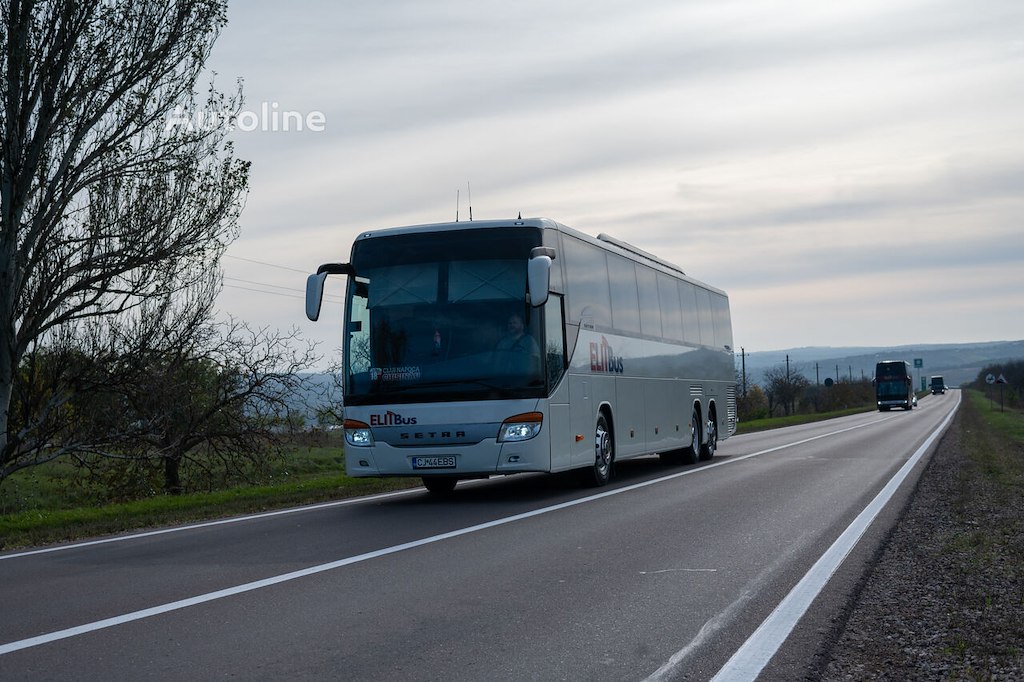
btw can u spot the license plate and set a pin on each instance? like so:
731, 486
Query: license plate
445, 462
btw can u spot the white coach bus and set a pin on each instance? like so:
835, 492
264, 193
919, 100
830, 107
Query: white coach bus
498, 347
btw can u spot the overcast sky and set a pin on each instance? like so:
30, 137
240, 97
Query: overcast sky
850, 173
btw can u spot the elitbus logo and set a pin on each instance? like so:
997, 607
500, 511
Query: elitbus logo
390, 418
603, 359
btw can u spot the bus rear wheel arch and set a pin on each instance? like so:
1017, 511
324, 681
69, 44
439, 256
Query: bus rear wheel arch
690, 453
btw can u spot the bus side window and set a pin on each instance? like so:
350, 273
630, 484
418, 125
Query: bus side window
554, 323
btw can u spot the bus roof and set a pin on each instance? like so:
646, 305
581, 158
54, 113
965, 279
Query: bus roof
604, 241
462, 225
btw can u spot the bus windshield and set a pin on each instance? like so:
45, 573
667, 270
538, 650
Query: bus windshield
891, 389
443, 316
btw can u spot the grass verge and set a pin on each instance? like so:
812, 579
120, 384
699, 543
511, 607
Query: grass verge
46, 526
984, 547
49, 522
754, 425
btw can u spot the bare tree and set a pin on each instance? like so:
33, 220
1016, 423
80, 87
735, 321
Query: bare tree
783, 387
329, 396
106, 209
212, 396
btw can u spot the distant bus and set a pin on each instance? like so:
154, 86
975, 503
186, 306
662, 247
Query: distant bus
497, 347
894, 385
938, 385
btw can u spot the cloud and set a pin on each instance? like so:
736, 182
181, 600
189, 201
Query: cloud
765, 147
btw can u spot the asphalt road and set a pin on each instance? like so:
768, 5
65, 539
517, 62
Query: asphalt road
663, 575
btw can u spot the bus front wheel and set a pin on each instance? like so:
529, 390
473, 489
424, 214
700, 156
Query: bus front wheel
440, 485
600, 472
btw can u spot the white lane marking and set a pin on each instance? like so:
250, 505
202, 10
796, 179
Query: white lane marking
206, 524
313, 570
339, 503
751, 658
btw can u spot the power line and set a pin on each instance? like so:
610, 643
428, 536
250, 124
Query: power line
264, 284
262, 291
329, 297
288, 292
269, 265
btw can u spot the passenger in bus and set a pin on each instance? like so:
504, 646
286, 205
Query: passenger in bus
516, 339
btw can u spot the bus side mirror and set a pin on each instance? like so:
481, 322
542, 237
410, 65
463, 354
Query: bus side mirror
538, 279
314, 295
315, 286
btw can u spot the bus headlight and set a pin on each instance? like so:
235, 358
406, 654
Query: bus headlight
520, 427
358, 433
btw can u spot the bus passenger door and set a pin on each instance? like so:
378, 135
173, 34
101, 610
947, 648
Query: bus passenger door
559, 419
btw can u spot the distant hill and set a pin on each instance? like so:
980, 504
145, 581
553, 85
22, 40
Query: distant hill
957, 363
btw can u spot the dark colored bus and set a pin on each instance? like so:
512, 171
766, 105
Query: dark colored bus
894, 385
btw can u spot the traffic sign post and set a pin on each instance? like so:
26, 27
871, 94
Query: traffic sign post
991, 379
1001, 380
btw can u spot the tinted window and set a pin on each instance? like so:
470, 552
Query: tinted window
484, 280
588, 282
723, 325
707, 324
551, 239
668, 296
625, 310
688, 303
650, 307
555, 340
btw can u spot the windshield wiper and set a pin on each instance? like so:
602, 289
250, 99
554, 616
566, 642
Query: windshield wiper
445, 384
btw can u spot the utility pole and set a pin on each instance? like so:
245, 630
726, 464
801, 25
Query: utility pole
789, 389
743, 361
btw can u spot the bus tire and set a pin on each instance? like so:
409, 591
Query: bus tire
691, 453
440, 485
600, 472
710, 444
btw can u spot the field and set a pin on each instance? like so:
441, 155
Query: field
50, 503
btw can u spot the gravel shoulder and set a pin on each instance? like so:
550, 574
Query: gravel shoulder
944, 599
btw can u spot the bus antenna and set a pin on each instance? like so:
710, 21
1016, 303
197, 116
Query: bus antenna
469, 196
456, 205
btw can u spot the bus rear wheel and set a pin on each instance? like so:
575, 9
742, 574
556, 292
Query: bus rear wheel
600, 472
707, 450
691, 453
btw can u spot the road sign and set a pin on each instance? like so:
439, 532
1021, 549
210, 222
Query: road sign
1001, 380
918, 363
990, 378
